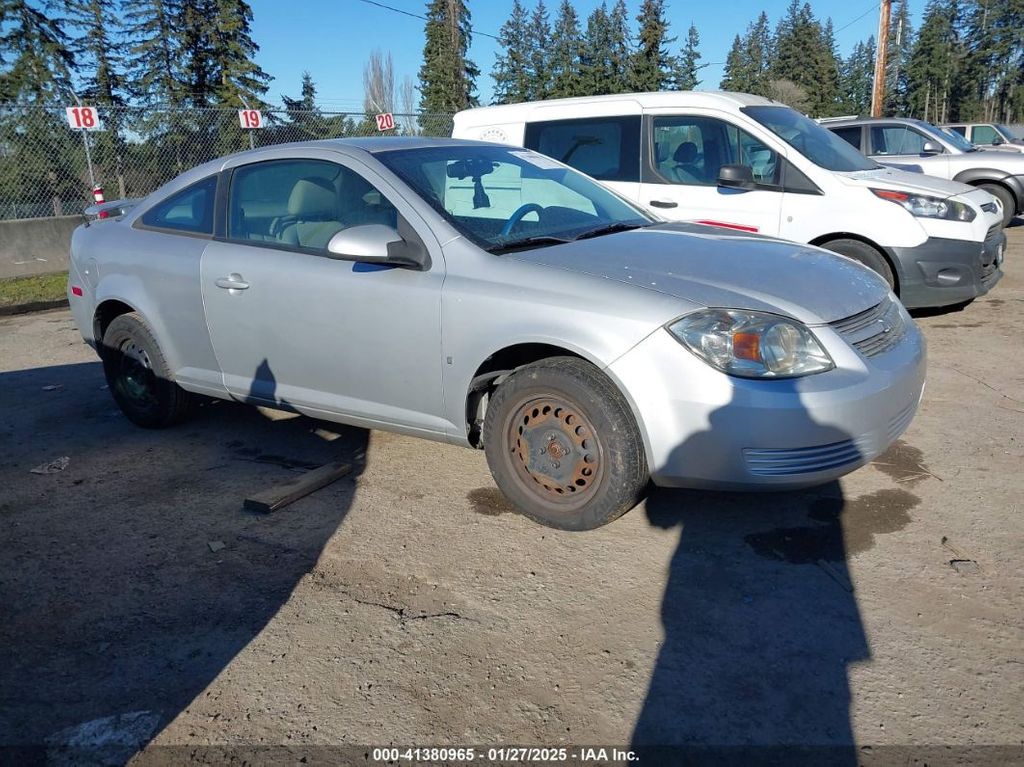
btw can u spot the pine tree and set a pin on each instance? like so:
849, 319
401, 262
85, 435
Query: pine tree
538, 39
651, 65
196, 50
735, 76
760, 51
857, 77
240, 82
447, 76
684, 78
96, 52
935, 63
566, 53
804, 54
153, 67
511, 67
597, 74
41, 61
901, 42
620, 43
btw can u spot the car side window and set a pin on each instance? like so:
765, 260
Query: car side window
189, 211
896, 140
983, 134
691, 150
850, 135
961, 129
301, 203
606, 148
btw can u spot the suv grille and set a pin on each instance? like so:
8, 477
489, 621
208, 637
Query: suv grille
873, 331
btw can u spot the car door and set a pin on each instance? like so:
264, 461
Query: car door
679, 176
294, 327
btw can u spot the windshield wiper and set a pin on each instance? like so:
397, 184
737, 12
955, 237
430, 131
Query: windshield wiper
527, 242
618, 226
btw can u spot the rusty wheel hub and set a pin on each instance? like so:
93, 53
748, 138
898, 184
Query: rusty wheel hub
555, 450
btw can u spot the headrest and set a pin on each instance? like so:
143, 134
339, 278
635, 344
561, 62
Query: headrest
312, 199
685, 152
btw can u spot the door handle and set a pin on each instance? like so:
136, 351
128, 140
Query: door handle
232, 282
664, 204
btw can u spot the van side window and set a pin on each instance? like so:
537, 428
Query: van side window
691, 150
606, 148
850, 135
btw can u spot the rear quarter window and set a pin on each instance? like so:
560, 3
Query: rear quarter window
606, 148
189, 211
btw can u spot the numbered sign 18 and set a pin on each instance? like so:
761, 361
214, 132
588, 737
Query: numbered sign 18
250, 118
386, 121
83, 118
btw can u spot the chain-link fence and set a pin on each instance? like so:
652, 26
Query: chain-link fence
49, 169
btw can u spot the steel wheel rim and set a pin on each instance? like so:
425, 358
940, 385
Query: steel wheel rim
136, 380
555, 452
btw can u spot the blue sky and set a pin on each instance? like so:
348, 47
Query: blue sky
333, 38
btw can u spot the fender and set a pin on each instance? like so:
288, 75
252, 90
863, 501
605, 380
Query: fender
975, 176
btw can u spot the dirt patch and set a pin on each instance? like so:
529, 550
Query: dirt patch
490, 501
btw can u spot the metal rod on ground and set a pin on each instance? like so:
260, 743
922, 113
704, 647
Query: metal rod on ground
881, 54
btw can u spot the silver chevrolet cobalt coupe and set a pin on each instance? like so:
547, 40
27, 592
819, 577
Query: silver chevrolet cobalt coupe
494, 298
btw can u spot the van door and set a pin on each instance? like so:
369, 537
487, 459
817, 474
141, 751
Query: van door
680, 169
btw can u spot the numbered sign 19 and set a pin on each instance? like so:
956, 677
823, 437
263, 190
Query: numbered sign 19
83, 118
385, 121
250, 118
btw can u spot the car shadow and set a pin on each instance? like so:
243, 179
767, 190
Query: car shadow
760, 616
132, 577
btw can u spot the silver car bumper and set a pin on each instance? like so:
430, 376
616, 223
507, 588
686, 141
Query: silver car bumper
704, 429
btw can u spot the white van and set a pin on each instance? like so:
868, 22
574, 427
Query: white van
748, 163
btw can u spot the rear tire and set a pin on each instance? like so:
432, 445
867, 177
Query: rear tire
563, 446
139, 377
864, 254
1004, 196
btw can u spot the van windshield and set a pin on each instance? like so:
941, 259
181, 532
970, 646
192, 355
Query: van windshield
819, 145
506, 199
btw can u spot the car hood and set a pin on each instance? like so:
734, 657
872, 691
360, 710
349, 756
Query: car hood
905, 180
709, 266
1008, 162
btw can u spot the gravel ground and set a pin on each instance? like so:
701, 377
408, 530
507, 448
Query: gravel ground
407, 604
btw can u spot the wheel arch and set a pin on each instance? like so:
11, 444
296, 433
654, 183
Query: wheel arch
897, 274
106, 312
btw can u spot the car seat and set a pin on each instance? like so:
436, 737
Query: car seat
312, 214
686, 170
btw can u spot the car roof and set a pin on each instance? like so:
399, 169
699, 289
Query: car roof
841, 121
507, 112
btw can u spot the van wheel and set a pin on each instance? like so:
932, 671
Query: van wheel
1004, 196
865, 254
562, 445
139, 377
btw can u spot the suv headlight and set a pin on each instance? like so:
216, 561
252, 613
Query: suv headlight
751, 344
923, 206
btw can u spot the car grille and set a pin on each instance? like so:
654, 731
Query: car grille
874, 331
775, 462
781, 462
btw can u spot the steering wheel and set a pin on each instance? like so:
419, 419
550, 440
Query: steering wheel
517, 216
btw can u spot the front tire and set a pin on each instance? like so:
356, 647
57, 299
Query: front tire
1004, 196
139, 377
563, 446
865, 254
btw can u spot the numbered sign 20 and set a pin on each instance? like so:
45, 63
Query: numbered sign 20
386, 121
83, 118
250, 118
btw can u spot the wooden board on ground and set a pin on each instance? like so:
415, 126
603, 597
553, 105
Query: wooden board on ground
281, 495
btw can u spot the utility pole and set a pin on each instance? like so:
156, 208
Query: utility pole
881, 54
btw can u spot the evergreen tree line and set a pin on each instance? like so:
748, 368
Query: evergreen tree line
542, 58
965, 63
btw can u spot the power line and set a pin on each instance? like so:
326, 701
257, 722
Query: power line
421, 18
851, 23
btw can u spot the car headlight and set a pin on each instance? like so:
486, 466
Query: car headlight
923, 206
751, 344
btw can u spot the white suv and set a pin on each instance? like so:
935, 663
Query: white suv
745, 162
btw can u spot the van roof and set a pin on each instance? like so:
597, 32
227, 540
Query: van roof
516, 112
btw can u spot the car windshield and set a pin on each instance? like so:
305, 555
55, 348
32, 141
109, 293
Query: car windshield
819, 145
949, 136
505, 198
1008, 133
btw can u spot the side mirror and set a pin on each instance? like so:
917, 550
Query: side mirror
931, 147
736, 177
368, 243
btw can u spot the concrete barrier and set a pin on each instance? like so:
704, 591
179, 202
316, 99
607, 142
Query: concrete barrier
35, 245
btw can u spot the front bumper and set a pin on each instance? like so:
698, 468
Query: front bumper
941, 271
704, 429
